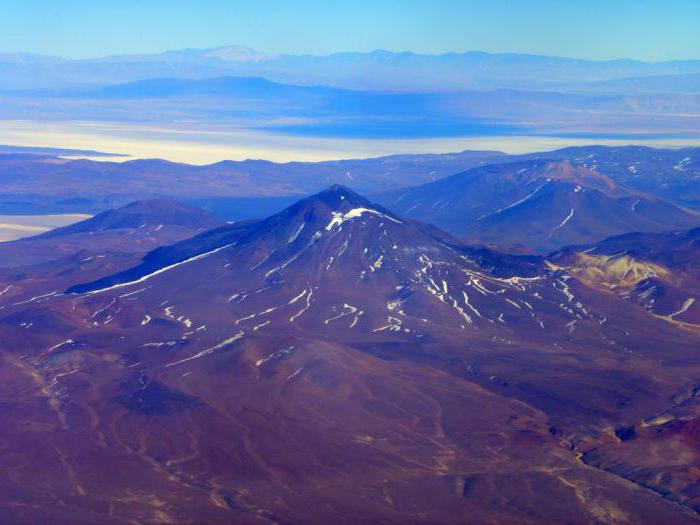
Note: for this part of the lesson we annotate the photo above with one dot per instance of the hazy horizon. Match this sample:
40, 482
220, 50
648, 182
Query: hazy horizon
397, 50
591, 30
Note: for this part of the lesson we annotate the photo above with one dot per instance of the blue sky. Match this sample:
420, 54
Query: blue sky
598, 29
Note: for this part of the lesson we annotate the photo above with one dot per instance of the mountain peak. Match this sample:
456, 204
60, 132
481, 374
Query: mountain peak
337, 188
139, 214
335, 201
238, 53
341, 192
322, 212
566, 171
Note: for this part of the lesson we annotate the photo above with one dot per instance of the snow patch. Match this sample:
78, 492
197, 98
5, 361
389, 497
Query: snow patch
339, 217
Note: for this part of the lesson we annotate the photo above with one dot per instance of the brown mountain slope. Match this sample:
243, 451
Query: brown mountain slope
334, 362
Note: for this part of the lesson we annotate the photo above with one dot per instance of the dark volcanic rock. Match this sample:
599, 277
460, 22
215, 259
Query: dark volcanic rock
155, 398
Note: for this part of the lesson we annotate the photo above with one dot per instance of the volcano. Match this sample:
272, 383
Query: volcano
334, 352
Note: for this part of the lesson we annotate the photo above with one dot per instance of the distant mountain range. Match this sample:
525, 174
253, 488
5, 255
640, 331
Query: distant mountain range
680, 83
378, 70
41, 183
259, 104
378, 95
539, 201
537, 205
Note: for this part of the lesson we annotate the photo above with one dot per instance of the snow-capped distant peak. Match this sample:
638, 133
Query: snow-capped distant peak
238, 54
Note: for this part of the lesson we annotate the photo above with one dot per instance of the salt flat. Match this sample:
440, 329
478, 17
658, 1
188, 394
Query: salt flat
17, 226
196, 144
